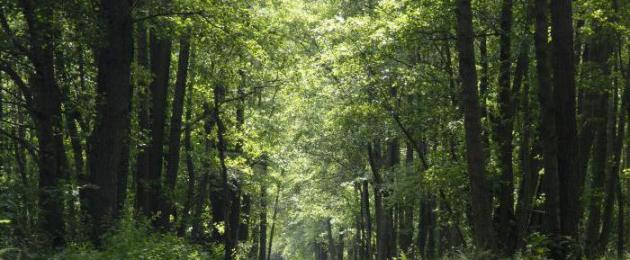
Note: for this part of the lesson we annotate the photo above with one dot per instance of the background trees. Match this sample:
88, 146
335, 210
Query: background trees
313, 129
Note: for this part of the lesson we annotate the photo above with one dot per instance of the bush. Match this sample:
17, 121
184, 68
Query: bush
134, 240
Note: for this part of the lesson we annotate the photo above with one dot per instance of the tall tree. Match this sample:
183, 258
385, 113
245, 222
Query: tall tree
160, 57
563, 67
175, 130
483, 232
110, 132
506, 231
547, 126
45, 108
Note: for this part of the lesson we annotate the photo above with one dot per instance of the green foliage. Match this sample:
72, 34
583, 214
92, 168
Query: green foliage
135, 240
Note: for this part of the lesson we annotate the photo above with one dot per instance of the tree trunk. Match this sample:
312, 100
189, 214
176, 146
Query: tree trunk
612, 170
202, 193
375, 160
230, 188
142, 158
393, 151
340, 246
160, 53
365, 212
529, 178
550, 182
483, 232
244, 228
110, 132
504, 214
429, 253
273, 222
175, 131
262, 241
423, 226
332, 249
46, 112
190, 168
563, 68
406, 220
598, 168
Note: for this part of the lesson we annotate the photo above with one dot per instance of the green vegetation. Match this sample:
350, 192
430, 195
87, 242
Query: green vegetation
312, 129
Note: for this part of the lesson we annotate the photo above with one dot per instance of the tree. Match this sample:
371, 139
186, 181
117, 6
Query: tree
110, 134
480, 194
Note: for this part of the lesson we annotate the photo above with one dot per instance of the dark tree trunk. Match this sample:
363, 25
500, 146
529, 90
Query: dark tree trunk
423, 226
202, 193
406, 220
612, 170
603, 40
598, 125
598, 169
231, 194
366, 215
160, 52
548, 136
262, 240
332, 249
563, 68
393, 159
46, 112
75, 143
123, 166
340, 246
273, 222
483, 232
190, 168
110, 132
431, 230
243, 217
382, 241
529, 177
504, 214
142, 158
244, 226
625, 111
175, 131
357, 250
484, 83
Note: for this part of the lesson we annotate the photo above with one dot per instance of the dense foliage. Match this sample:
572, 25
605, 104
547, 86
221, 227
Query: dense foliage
311, 129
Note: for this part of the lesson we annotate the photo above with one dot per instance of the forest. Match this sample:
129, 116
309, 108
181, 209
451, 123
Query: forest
314, 129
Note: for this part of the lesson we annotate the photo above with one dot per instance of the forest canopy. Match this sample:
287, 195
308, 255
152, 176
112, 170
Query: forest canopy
314, 129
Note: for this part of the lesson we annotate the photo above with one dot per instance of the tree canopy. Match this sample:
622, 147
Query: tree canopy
312, 129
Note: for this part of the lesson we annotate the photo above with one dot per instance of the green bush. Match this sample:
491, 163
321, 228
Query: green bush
134, 240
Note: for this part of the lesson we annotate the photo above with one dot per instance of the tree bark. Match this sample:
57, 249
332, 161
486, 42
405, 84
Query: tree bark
598, 166
190, 168
406, 220
262, 241
365, 212
112, 113
46, 112
563, 67
202, 193
160, 53
332, 248
483, 232
547, 127
175, 130
529, 177
504, 214
273, 222
375, 161
142, 159
231, 195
